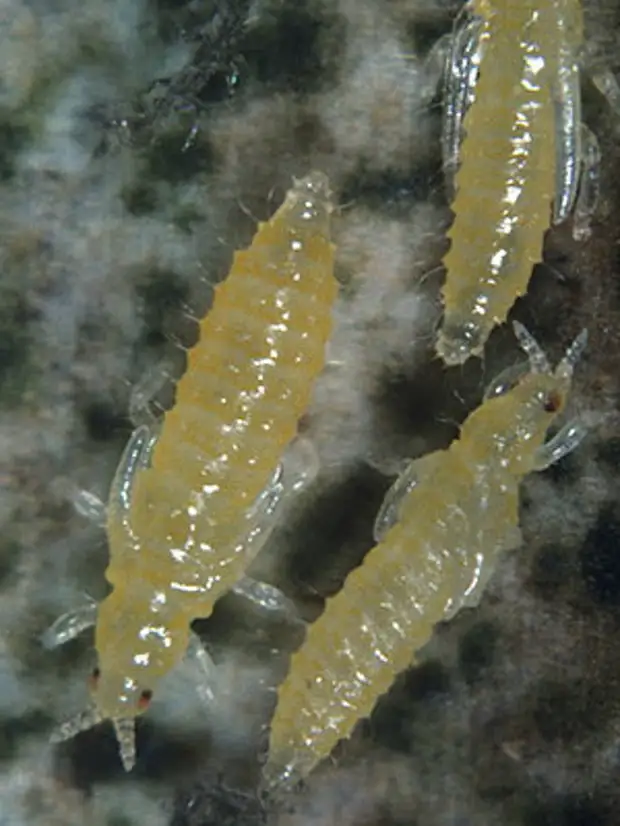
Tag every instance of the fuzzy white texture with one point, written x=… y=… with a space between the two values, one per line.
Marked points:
x=377 y=114
x=30 y=795
x=386 y=325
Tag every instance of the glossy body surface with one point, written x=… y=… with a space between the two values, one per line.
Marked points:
x=191 y=504
x=248 y=381
x=439 y=535
x=519 y=154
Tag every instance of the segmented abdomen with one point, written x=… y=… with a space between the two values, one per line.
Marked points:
x=505 y=183
x=247 y=383
x=367 y=634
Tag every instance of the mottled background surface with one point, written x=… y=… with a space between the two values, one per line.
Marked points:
x=113 y=225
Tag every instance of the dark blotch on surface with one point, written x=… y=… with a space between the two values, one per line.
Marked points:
x=608 y=452
x=389 y=192
x=338 y=517
x=551 y=568
x=476 y=650
x=12 y=141
x=140 y=199
x=15 y=337
x=572 y=810
x=102 y=422
x=392 y=718
x=92 y=756
x=600 y=559
x=287 y=51
x=170 y=159
x=10 y=551
x=14 y=730
x=571 y=712
x=161 y=293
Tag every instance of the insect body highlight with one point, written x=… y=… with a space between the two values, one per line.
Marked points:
x=439 y=534
x=192 y=503
x=521 y=153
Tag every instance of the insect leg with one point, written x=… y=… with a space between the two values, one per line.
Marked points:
x=145 y=392
x=203 y=669
x=461 y=71
x=89 y=506
x=506 y=380
x=389 y=512
x=70 y=625
x=532 y=349
x=563 y=443
x=298 y=466
x=566 y=367
x=589 y=185
x=608 y=86
x=265 y=596
x=567 y=101
x=136 y=456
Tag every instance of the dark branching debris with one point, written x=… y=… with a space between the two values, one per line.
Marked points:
x=283 y=50
x=210 y=76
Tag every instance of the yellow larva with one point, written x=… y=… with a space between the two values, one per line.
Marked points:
x=520 y=153
x=191 y=504
x=439 y=535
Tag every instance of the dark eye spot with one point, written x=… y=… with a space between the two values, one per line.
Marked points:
x=552 y=402
x=145 y=698
x=94 y=678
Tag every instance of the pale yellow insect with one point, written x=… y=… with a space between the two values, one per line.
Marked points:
x=522 y=152
x=193 y=501
x=439 y=534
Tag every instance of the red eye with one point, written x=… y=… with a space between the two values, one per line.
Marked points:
x=553 y=402
x=144 y=699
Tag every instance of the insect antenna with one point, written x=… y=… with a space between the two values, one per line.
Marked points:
x=565 y=368
x=125 y=729
x=538 y=360
x=81 y=722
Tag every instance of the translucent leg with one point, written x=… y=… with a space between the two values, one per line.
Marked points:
x=70 y=625
x=461 y=74
x=136 y=456
x=89 y=506
x=486 y=564
x=539 y=363
x=202 y=667
x=264 y=596
x=414 y=473
x=608 y=86
x=563 y=443
x=566 y=367
x=506 y=380
x=145 y=391
x=298 y=467
x=567 y=96
x=589 y=185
